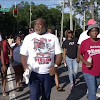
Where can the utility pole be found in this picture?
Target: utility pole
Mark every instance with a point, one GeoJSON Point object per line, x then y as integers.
{"type": "Point", "coordinates": [56, 32]}
{"type": "Point", "coordinates": [15, 4]}
{"type": "Point", "coordinates": [84, 21]}
{"type": "Point", "coordinates": [62, 23]}
{"type": "Point", "coordinates": [30, 16]}
{"type": "Point", "coordinates": [71, 20]}
{"type": "Point", "coordinates": [92, 9]}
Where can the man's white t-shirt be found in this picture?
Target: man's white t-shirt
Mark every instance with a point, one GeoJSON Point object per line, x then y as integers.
{"type": "Point", "coordinates": [40, 61]}
{"type": "Point", "coordinates": [0, 38]}
{"type": "Point", "coordinates": [84, 36]}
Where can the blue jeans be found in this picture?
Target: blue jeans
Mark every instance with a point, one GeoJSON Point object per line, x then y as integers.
{"type": "Point", "coordinates": [72, 68]}
{"type": "Point", "coordinates": [40, 84]}
{"type": "Point", "coordinates": [92, 84]}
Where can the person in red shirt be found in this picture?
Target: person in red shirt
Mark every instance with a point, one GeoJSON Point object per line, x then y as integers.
{"type": "Point", "coordinates": [90, 56]}
{"type": "Point", "coordinates": [6, 47]}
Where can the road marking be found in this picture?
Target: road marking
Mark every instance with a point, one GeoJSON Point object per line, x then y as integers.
{"type": "Point", "coordinates": [10, 85]}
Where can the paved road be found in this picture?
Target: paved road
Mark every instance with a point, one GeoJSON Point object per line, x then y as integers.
{"type": "Point", "coordinates": [77, 93]}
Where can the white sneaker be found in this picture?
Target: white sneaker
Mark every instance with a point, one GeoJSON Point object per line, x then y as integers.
{"type": "Point", "coordinates": [4, 93]}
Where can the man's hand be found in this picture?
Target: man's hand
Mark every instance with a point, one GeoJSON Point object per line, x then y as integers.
{"type": "Point", "coordinates": [3, 68]}
{"type": "Point", "coordinates": [52, 70]}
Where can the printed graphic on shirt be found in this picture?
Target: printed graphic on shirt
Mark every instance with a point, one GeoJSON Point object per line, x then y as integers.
{"type": "Point", "coordinates": [71, 43]}
{"type": "Point", "coordinates": [94, 50]}
{"type": "Point", "coordinates": [42, 50]}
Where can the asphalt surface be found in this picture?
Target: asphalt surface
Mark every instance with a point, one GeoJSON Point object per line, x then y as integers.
{"type": "Point", "coordinates": [77, 93]}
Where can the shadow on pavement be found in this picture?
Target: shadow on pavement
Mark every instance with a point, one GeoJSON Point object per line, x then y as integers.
{"type": "Point", "coordinates": [22, 95]}
{"type": "Point", "coordinates": [77, 92]}
{"type": "Point", "coordinates": [62, 70]}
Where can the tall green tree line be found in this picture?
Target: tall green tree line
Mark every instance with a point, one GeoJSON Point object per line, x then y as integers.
{"type": "Point", "coordinates": [12, 25]}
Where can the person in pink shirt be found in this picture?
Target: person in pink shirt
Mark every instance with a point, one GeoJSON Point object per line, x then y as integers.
{"type": "Point", "coordinates": [90, 57]}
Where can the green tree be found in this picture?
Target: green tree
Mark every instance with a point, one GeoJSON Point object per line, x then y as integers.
{"type": "Point", "coordinates": [12, 25]}
{"type": "Point", "coordinates": [91, 8]}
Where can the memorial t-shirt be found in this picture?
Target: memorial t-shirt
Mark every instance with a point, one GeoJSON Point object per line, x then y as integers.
{"type": "Point", "coordinates": [40, 50]}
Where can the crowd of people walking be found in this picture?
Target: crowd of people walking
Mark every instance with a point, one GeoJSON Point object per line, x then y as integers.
{"type": "Point", "coordinates": [40, 54]}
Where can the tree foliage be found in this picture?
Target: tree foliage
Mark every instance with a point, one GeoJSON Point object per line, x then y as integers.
{"type": "Point", "coordinates": [79, 6]}
{"type": "Point", "coordinates": [12, 25]}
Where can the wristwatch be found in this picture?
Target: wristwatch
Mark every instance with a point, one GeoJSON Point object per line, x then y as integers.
{"type": "Point", "coordinates": [56, 65]}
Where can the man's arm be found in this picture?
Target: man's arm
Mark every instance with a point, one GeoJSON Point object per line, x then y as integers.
{"type": "Point", "coordinates": [24, 62]}
{"type": "Point", "coordinates": [58, 60]}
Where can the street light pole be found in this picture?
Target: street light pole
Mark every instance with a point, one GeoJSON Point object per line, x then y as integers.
{"type": "Point", "coordinates": [84, 21]}
{"type": "Point", "coordinates": [71, 20]}
{"type": "Point", "coordinates": [30, 16]}
{"type": "Point", "coordinates": [62, 23]}
{"type": "Point", "coordinates": [15, 4]}
{"type": "Point", "coordinates": [92, 9]}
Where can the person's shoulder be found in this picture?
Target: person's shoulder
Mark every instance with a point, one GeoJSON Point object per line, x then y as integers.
{"type": "Point", "coordinates": [65, 41]}
{"type": "Point", "coordinates": [83, 36]}
{"type": "Point", "coordinates": [86, 41]}
{"type": "Point", "coordinates": [84, 33]}
{"type": "Point", "coordinates": [47, 33]}
{"type": "Point", "coordinates": [98, 36]}
{"type": "Point", "coordinates": [51, 35]}
{"type": "Point", "coordinates": [75, 38]}
{"type": "Point", "coordinates": [29, 36]}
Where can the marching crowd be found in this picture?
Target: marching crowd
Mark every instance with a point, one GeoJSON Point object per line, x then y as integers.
{"type": "Point", "coordinates": [38, 56]}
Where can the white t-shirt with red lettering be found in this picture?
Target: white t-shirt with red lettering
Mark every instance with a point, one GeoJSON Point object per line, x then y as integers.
{"type": "Point", "coordinates": [40, 50]}
{"type": "Point", "coordinates": [90, 48]}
